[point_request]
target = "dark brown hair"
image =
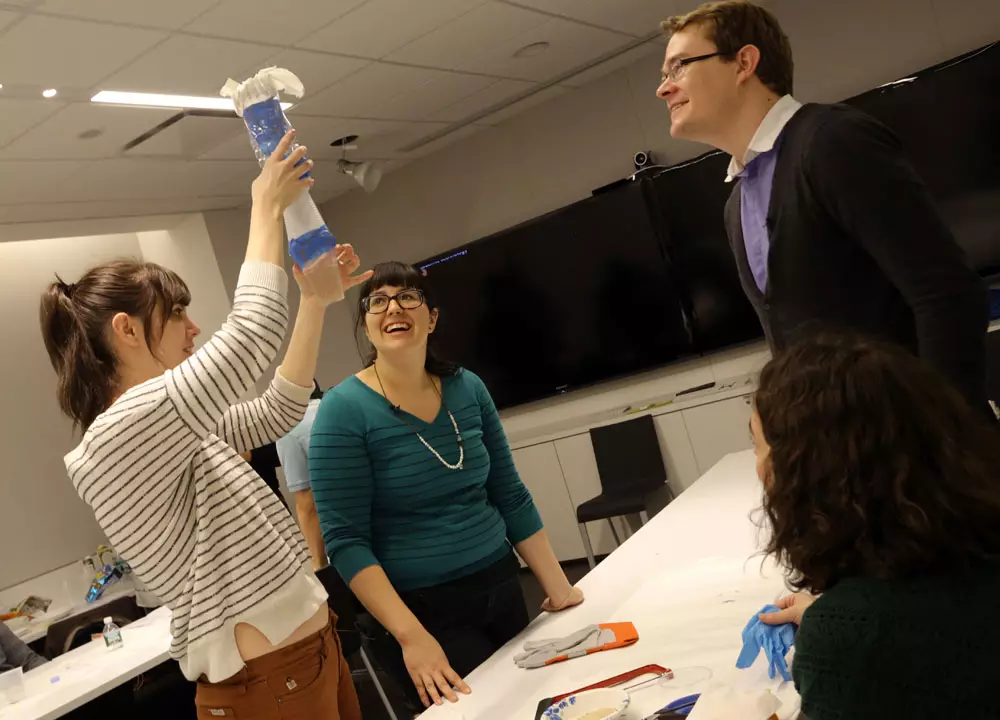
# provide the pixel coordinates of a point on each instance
(397, 274)
(732, 25)
(878, 467)
(76, 320)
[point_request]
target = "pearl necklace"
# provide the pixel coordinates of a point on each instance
(397, 410)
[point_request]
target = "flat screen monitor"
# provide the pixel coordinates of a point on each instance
(563, 301)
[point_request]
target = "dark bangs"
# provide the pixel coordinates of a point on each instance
(397, 274)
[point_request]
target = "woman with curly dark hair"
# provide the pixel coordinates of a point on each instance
(881, 489)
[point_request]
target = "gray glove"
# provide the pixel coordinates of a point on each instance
(539, 653)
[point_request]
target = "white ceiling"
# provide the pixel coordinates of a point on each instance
(392, 72)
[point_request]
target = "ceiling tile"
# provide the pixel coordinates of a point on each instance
(57, 138)
(6, 18)
(366, 89)
(388, 141)
(539, 98)
(379, 27)
(87, 52)
(490, 96)
(190, 137)
(618, 62)
(189, 65)
(38, 212)
(170, 15)
(265, 21)
(468, 36)
(421, 101)
(570, 46)
(19, 116)
(316, 133)
(35, 180)
(636, 17)
(149, 178)
(317, 71)
(450, 139)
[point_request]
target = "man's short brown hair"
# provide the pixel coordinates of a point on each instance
(734, 24)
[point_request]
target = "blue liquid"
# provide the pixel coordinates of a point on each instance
(267, 124)
(308, 247)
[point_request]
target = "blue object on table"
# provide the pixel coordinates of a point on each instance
(775, 640)
(684, 705)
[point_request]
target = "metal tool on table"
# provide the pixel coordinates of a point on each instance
(659, 672)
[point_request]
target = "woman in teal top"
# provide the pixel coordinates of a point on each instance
(420, 502)
(881, 487)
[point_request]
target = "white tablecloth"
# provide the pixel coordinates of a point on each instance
(688, 582)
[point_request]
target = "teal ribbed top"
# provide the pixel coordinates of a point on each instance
(385, 499)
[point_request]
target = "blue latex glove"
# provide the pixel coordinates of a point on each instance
(775, 641)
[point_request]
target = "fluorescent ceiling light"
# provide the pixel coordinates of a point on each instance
(115, 97)
(50, 93)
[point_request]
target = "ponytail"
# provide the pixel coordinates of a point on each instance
(84, 371)
(76, 319)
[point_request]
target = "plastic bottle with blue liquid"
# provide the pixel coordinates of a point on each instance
(310, 243)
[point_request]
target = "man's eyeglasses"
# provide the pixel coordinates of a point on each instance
(379, 302)
(676, 71)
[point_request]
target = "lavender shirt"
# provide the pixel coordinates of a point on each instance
(755, 198)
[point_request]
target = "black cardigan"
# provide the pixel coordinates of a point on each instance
(857, 244)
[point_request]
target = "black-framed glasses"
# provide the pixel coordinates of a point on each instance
(677, 70)
(379, 302)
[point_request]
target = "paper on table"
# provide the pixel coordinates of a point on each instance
(726, 703)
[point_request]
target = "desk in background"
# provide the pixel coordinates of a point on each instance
(83, 674)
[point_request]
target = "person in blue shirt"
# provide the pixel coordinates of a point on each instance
(293, 452)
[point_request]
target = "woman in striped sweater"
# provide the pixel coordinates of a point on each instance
(420, 502)
(160, 462)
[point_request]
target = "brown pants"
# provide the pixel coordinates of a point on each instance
(309, 680)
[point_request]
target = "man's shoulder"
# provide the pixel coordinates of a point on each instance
(822, 124)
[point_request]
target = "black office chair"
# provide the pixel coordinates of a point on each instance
(346, 606)
(630, 465)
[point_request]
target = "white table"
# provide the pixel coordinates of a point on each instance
(79, 676)
(36, 629)
(684, 580)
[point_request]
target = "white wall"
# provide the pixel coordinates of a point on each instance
(186, 249)
(43, 520)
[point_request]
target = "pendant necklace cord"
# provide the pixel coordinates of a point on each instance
(398, 412)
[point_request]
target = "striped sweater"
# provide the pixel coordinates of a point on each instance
(384, 499)
(161, 470)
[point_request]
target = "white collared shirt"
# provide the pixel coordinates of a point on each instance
(767, 133)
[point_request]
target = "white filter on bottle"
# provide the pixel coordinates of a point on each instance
(310, 242)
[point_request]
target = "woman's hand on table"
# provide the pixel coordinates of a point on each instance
(573, 598)
(430, 671)
(793, 607)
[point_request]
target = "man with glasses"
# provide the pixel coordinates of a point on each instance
(831, 227)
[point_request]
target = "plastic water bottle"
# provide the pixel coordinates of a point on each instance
(310, 242)
(112, 635)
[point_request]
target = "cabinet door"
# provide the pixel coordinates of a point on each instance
(539, 469)
(717, 429)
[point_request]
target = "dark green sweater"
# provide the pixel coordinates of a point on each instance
(384, 499)
(916, 650)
